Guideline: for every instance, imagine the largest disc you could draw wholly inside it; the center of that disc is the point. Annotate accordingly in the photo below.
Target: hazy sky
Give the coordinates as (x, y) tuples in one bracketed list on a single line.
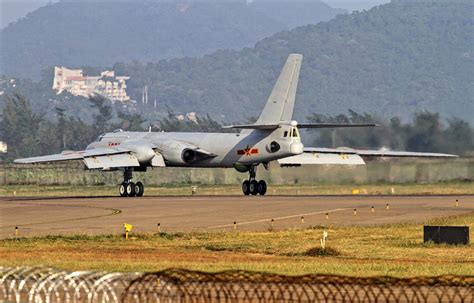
[(11, 10)]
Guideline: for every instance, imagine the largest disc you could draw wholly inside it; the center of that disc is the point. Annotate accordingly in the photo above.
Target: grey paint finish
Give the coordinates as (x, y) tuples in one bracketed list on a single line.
[(274, 136)]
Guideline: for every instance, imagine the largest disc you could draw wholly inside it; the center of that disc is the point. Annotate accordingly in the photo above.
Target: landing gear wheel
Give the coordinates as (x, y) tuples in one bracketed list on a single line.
[(262, 187), (123, 189), (246, 187), (131, 189), (253, 187), (139, 189)]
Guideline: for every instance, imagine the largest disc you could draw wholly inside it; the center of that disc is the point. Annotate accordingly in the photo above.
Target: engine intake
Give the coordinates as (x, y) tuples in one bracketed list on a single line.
[(273, 147), (188, 156)]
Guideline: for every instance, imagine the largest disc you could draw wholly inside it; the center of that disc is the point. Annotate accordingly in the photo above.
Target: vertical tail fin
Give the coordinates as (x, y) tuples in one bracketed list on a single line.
[(280, 103)]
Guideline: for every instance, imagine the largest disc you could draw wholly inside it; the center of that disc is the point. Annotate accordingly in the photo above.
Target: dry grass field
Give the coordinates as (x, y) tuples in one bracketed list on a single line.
[(393, 250)]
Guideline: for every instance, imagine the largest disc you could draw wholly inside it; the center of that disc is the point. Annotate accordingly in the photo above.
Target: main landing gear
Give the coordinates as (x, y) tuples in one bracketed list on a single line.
[(128, 188), (252, 186)]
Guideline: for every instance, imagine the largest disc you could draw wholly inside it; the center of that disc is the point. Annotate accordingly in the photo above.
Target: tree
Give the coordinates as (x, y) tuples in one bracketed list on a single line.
[(20, 126), (458, 137), (61, 127), (103, 114), (130, 121), (426, 133)]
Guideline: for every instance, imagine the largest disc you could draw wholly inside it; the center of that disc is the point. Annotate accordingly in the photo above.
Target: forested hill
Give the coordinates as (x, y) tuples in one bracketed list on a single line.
[(100, 33), (392, 60)]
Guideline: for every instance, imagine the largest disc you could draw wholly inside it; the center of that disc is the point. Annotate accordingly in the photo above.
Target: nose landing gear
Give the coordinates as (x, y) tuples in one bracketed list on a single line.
[(252, 186), (128, 188)]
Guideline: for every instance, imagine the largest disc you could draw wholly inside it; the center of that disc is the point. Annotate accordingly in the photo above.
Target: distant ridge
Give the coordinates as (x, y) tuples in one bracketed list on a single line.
[(99, 33), (393, 60)]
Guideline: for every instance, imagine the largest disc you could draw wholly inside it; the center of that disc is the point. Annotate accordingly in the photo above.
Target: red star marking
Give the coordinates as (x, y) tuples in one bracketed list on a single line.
[(247, 151)]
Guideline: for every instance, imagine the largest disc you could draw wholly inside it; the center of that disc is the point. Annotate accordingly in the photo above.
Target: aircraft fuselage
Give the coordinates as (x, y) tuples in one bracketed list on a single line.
[(228, 149)]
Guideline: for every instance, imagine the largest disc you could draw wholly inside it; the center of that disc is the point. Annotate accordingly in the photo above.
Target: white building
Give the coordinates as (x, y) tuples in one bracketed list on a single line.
[(74, 82), (3, 147)]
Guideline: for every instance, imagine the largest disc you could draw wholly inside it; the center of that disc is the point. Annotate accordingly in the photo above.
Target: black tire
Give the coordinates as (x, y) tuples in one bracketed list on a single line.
[(262, 187), (253, 187), (131, 189), (246, 187), (139, 189), (123, 189)]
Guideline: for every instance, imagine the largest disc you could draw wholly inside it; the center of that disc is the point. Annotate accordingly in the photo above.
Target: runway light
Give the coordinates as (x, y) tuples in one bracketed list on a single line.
[(302, 219), (235, 225), (271, 223), (327, 216), (193, 190), (355, 211), (128, 228), (16, 231), (373, 208), (159, 227), (323, 240), (387, 206), (457, 203)]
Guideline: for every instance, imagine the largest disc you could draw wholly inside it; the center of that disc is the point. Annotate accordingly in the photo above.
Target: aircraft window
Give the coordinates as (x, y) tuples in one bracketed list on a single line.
[(295, 133), (100, 137), (285, 134)]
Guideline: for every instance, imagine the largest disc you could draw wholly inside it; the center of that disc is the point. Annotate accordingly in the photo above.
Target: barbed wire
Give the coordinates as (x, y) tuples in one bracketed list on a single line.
[(42, 284)]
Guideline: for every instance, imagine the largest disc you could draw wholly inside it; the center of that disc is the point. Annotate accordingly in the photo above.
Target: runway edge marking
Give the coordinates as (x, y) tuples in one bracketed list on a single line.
[(279, 218)]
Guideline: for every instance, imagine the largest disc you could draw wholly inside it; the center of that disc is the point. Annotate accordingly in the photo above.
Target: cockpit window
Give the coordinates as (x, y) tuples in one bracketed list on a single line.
[(295, 133), (285, 134), (100, 137)]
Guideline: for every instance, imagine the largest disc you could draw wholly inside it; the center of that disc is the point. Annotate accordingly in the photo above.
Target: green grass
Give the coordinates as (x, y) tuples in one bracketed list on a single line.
[(458, 187), (393, 250)]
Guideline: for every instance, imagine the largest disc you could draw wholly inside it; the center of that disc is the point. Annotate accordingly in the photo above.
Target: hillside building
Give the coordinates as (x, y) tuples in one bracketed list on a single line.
[(75, 82)]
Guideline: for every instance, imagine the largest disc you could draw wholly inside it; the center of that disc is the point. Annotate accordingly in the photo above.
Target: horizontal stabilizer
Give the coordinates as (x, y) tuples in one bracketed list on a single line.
[(335, 125), (254, 126), (299, 125)]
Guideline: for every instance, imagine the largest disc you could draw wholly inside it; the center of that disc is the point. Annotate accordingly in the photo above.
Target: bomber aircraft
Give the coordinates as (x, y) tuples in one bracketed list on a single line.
[(274, 136)]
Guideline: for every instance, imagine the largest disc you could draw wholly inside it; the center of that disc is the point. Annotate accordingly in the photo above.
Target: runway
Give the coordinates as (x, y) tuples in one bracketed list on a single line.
[(106, 215)]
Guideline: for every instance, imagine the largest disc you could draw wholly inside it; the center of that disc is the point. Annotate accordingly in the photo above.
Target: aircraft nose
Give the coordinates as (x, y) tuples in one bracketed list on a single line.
[(296, 148)]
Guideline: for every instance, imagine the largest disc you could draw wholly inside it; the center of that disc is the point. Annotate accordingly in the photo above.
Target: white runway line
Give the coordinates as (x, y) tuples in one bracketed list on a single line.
[(279, 218)]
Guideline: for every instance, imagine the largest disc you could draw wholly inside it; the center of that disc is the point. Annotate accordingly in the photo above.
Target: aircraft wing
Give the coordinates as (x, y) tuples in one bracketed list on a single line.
[(253, 126), (93, 158), (348, 156), (377, 153), (322, 159)]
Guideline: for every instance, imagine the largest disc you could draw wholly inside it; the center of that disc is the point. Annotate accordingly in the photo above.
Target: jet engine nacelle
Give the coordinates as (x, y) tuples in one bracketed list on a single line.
[(143, 152), (176, 152)]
